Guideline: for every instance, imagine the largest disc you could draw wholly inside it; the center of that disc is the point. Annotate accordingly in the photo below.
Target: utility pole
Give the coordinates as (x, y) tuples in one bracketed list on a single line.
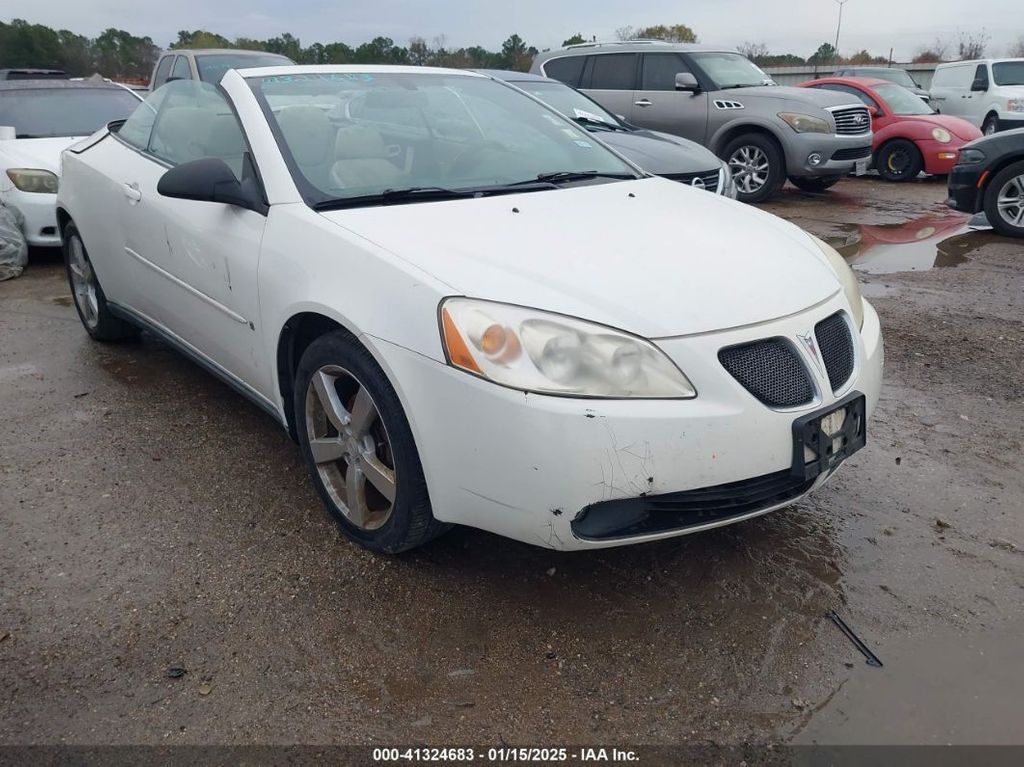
[(838, 27)]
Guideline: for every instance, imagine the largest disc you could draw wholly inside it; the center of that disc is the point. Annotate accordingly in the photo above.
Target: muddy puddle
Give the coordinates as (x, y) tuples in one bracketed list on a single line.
[(925, 243)]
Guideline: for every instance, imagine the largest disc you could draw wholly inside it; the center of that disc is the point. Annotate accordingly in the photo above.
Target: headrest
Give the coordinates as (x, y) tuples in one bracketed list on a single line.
[(307, 132), (359, 143)]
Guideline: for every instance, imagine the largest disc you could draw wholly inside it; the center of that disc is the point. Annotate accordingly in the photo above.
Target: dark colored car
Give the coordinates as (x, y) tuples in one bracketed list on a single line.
[(892, 74), (661, 154), (990, 178)]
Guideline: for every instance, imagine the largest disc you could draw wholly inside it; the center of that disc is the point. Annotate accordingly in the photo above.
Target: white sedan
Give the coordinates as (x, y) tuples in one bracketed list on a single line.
[(38, 120), (466, 309)]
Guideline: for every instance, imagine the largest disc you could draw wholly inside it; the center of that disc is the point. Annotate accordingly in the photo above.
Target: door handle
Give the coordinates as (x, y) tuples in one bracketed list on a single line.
[(642, 103), (131, 191)]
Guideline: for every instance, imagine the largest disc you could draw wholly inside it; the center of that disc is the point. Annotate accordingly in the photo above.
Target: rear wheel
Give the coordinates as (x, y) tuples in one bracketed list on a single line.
[(757, 165), (359, 448), (814, 183), (88, 296), (899, 160), (1004, 201), (991, 125)]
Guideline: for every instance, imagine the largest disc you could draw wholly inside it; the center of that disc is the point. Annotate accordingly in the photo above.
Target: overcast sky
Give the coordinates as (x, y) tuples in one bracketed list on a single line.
[(796, 26)]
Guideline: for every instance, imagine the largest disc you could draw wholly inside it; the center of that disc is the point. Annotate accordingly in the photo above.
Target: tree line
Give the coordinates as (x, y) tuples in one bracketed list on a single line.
[(120, 55)]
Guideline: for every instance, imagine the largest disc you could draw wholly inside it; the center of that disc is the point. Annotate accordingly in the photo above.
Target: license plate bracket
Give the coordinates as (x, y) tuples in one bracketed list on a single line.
[(830, 447), (860, 168)]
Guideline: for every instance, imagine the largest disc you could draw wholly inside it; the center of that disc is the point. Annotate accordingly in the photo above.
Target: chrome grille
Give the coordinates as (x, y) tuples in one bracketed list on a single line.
[(771, 371), (836, 346), (709, 179), (852, 121)]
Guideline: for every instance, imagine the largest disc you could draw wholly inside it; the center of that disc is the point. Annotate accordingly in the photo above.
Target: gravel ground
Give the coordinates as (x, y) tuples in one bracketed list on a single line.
[(168, 575)]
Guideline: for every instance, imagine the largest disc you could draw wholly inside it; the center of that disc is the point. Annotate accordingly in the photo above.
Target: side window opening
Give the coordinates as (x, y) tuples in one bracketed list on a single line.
[(660, 70), (181, 69), (163, 69)]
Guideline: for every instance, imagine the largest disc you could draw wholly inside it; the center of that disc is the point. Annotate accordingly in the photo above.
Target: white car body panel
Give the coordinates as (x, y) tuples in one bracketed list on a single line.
[(697, 272), (38, 208)]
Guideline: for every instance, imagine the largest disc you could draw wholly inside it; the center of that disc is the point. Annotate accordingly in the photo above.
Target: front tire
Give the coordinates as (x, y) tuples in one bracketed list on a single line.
[(991, 125), (757, 165), (814, 183), (90, 301), (899, 160), (359, 448), (1004, 201)]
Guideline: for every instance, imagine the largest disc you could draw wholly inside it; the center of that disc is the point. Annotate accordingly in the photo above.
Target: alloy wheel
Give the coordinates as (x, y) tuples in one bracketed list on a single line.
[(1010, 202), (350, 447), (749, 165), (898, 161), (83, 283)]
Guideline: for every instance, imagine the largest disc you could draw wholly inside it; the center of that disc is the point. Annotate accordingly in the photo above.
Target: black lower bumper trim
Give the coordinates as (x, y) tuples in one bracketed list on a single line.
[(630, 517)]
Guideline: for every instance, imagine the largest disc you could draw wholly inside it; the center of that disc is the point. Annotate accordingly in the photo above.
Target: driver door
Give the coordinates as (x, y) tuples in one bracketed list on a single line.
[(197, 261), (659, 106)]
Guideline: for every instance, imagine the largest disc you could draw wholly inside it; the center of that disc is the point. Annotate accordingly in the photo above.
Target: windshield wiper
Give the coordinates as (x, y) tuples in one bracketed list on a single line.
[(593, 122), (424, 194), (571, 175)]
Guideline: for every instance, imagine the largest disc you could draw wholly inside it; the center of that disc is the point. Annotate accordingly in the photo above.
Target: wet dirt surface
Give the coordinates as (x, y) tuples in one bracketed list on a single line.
[(168, 575)]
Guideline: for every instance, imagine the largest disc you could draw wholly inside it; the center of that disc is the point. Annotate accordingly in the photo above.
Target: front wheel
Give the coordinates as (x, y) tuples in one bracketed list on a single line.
[(757, 165), (359, 448), (814, 183), (90, 301), (1004, 201), (990, 126), (899, 160)]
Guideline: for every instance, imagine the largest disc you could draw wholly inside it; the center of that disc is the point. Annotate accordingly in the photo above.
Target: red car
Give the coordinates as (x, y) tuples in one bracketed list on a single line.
[(909, 135)]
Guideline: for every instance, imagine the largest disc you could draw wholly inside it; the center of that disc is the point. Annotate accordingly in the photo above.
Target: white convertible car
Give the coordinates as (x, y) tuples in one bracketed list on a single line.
[(467, 309)]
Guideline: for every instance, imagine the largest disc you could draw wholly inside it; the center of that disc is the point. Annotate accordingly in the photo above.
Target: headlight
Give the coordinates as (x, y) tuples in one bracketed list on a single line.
[(549, 353), (726, 184), (1015, 105), (29, 180), (971, 156), (847, 278), (941, 135), (805, 123)]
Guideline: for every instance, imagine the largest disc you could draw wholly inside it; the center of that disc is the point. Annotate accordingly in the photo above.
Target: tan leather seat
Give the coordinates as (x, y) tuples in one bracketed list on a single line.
[(310, 137), (361, 161)]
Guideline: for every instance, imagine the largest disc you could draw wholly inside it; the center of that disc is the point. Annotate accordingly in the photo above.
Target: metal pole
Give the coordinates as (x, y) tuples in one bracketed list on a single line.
[(835, 56)]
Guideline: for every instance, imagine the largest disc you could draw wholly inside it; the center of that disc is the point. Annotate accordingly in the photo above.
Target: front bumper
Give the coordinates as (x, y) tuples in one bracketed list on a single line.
[(40, 212), (800, 146), (962, 186), (525, 465), (939, 159)]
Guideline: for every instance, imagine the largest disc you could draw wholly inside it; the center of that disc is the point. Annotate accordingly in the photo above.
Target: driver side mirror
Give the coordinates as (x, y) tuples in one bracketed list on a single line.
[(686, 82), (979, 85), (207, 180)]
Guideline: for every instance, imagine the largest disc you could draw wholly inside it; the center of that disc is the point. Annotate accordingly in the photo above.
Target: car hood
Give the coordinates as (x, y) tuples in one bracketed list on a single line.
[(659, 153), (959, 127), (39, 153), (810, 96), (649, 256)]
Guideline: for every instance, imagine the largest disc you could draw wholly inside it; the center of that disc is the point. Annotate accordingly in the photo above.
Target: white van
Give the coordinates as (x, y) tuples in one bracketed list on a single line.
[(986, 92)]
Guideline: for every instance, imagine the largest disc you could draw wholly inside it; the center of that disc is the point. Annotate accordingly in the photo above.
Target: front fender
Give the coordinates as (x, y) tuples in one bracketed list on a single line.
[(735, 125)]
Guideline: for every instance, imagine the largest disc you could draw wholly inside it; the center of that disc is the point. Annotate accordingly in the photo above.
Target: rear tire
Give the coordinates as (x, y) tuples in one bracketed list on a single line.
[(899, 160), (359, 448), (1004, 201), (991, 125), (90, 301), (758, 166), (814, 183)]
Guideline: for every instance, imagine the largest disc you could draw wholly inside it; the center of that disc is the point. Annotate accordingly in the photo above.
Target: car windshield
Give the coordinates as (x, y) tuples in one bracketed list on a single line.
[(212, 66), (50, 112), (1008, 72), (898, 76), (349, 136), (901, 101), (569, 102), (731, 70)]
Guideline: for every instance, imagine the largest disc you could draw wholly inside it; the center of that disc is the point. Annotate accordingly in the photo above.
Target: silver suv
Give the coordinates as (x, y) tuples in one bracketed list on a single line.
[(719, 98)]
